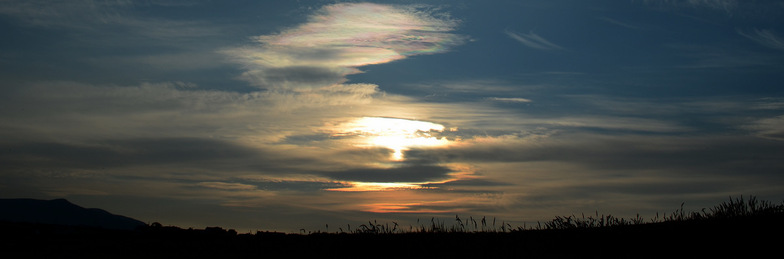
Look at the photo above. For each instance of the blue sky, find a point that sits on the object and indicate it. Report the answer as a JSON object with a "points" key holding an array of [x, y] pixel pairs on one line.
{"points": [[282, 115]]}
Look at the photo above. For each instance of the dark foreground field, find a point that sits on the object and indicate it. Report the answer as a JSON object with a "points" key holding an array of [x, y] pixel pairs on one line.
{"points": [[723, 232]]}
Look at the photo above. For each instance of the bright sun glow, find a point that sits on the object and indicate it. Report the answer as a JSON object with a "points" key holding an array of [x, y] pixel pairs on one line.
{"points": [[396, 134]]}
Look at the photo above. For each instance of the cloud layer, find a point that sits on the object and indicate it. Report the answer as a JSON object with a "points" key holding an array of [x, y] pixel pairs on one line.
{"points": [[646, 110]]}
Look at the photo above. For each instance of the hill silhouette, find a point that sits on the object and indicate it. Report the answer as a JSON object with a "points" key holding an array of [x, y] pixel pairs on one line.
{"points": [[738, 228], [62, 212]]}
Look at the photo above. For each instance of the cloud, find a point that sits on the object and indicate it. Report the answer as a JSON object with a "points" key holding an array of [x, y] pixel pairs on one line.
{"points": [[293, 183], [413, 173], [508, 99], [616, 156], [338, 39], [766, 38], [532, 40], [619, 23], [725, 5], [748, 10], [769, 104], [226, 186], [161, 159], [189, 142], [468, 183], [73, 14], [771, 128], [711, 57], [240, 150], [114, 41], [86, 16], [159, 131], [80, 112]]}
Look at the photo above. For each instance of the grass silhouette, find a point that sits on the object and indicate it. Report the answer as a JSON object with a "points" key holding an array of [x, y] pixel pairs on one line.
{"points": [[734, 209], [737, 227]]}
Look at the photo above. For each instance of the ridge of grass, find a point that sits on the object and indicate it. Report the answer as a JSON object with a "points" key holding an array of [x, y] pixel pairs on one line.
{"points": [[746, 228], [733, 209]]}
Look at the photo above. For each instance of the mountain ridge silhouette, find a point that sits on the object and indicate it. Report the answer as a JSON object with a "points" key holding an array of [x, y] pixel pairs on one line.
{"points": [[62, 212]]}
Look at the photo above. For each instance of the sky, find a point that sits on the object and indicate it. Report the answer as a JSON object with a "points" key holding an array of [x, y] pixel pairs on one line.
{"points": [[289, 115]]}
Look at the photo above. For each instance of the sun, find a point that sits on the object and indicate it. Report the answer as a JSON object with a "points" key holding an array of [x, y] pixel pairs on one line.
{"points": [[396, 134]]}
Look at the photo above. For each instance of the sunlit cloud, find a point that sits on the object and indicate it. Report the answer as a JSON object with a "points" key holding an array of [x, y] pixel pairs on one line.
{"points": [[416, 177], [396, 134], [338, 39], [417, 207], [376, 186]]}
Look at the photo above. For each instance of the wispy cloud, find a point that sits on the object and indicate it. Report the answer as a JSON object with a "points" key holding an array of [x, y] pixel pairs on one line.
{"points": [[89, 15], [725, 5], [227, 186], [705, 56], [771, 128], [532, 40], [85, 26], [769, 104], [763, 10], [619, 23], [72, 14], [767, 38], [509, 99]]}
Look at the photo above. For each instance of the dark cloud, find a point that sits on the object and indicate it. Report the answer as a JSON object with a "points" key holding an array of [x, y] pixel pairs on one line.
{"points": [[125, 152], [411, 173], [468, 183], [300, 186], [680, 187], [306, 139], [635, 152]]}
